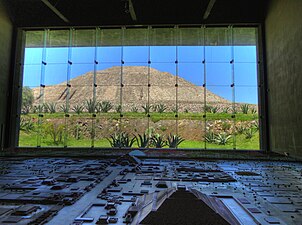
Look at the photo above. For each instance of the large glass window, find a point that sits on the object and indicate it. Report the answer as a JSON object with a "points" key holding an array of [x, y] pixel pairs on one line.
{"points": [[187, 88]]}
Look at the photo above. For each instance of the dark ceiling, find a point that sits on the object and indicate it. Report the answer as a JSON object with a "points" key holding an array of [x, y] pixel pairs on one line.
{"points": [[34, 13]]}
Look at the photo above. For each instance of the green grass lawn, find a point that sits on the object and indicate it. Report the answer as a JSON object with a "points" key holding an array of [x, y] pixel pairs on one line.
{"points": [[155, 116], [30, 140]]}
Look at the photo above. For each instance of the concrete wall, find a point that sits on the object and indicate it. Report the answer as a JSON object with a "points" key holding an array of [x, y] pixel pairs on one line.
{"points": [[6, 30], [283, 31]]}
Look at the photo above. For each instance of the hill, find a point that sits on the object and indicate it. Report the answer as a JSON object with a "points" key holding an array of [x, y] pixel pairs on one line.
{"points": [[135, 91]]}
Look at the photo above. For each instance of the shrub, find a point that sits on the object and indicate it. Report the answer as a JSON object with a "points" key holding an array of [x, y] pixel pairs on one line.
{"points": [[90, 105], [143, 140], [51, 107], [134, 109], [27, 100], [249, 133], [253, 111], [56, 131], [121, 140], [158, 141], [244, 108], [150, 131], [118, 108], [45, 108], [26, 124], [77, 131], [225, 109], [78, 109], [186, 110], [207, 108], [240, 129], [147, 108], [104, 107], [214, 109], [64, 108], [25, 109], [38, 109], [174, 140], [255, 125], [160, 108], [226, 126], [222, 139], [210, 137]]}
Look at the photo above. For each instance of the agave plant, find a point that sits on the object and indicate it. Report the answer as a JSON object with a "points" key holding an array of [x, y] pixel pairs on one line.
{"points": [[51, 107], [78, 109], [64, 108], [158, 141], [90, 105], [244, 108], [120, 140], [26, 124], [240, 129], [118, 108], [249, 133], [104, 106], [45, 108], [147, 108], [160, 108], [225, 110], [26, 109], [253, 111], [134, 109], [38, 108], [255, 125], [214, 109], [210, 137], [174, 140], [143, 140], [222, 139]]}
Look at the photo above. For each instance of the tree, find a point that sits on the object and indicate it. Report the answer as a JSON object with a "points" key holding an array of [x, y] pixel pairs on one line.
{"points": [[27, 99]]}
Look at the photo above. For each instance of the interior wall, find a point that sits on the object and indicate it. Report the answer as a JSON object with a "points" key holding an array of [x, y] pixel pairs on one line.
{"points": [[6, 31], [284, 73]]}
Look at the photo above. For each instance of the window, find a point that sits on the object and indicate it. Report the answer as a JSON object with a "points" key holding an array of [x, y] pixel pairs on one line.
{"points": [[149, 87]]}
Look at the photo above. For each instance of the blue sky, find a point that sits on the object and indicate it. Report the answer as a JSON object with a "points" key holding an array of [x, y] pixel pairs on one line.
{"points": [[218, 68]]}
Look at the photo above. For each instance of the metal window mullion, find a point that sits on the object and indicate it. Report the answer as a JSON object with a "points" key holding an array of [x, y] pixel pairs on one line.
{"points": [[42, 86], [149, 68], [176, 41], [231, 34], [204, 85]]}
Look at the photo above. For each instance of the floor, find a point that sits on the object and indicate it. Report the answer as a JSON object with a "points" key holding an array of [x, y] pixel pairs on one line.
{"points": [[62, 191]]}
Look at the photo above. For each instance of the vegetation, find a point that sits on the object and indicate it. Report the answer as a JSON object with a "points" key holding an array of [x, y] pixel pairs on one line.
{"points": [[55, 130], [104, 107], [143, 140], [222, 138], [244, 108], [174, 140], [158, 141], [118, 109], [27, 100], [50, 107], [90, 105], [214, 109], [78, 109], [120, 140], [147, 108], [52, 130], [26, 124], [210, 137], [64, 108], [160, 108]]}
